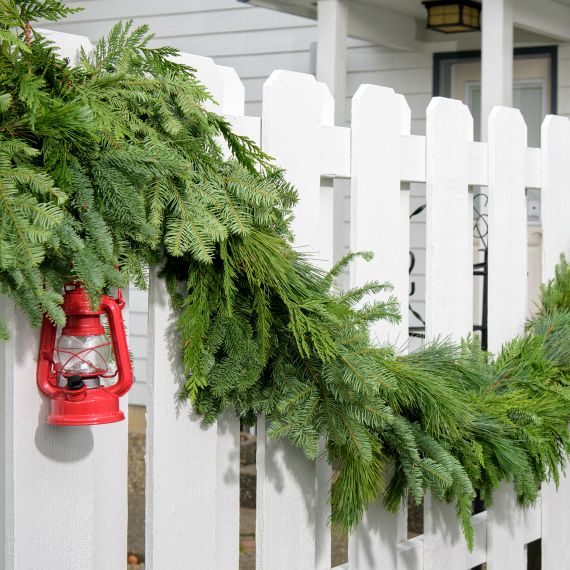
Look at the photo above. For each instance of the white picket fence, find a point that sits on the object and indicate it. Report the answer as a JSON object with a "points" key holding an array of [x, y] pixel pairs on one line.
{"points": [[64, 493]]}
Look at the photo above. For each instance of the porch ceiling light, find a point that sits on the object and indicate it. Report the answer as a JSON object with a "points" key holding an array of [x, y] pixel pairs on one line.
{"points": [[452, 16]]}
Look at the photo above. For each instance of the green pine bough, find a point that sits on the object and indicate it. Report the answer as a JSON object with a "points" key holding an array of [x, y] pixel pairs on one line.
{"points": [[114, 165]]}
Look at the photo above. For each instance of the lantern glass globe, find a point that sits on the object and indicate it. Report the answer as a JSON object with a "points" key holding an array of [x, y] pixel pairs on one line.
{"points": [[85, 356]]}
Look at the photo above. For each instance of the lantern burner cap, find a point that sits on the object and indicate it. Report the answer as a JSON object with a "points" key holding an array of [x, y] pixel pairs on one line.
{"points": [[75, 383]]}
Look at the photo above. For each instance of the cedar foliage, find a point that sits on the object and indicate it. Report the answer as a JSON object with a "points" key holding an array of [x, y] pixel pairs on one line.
{"points": [[115, 163]]}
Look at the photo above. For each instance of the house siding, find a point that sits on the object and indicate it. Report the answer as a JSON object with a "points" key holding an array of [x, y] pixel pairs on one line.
{"points": [[564, 79]]}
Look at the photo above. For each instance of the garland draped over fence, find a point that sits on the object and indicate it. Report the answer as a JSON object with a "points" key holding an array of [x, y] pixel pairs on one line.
{"points": [[115, 163]]}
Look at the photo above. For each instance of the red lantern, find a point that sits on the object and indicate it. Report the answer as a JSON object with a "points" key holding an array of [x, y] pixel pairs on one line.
{"points": [[72, 372]]}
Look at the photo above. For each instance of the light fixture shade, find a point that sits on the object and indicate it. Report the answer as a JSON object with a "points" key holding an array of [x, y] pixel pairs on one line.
{"points": [[453, 16]]}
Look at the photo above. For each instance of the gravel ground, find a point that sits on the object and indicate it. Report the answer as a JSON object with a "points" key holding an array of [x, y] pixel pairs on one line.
{"points": [[339, 550], [247, 500]]}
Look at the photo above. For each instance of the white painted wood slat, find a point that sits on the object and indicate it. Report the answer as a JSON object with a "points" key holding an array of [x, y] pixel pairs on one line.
{"points": [[287, 482], [207, 510], [53, 475], [555, 136], [507, 226], [507, 299], [449, 288], [181, 454], [449, 283], [379, 223], [64, 488]]}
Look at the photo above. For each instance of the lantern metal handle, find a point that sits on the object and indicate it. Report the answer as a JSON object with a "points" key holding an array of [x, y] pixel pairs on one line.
{"points": [[112, 309], [45, 377]]}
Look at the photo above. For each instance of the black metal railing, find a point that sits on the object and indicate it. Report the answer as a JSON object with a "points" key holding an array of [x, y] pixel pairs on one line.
{"points": [[480, 269]]}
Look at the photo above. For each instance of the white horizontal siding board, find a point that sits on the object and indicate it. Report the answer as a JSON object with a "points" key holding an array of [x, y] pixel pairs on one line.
{"points": [[413, 81], [286, 480], [555, 136], [262, 64], [180, 523], [449, 283], [507, 226], [97, 10], [179, 22], [246, 43], [376, 225]]}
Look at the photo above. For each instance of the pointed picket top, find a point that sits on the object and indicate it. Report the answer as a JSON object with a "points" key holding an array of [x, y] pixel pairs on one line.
{"points": [[67, 45], [507, 242], [377, 126], [291, 133], [555, 136], [449, 241], [233, 99], [209, 74]]}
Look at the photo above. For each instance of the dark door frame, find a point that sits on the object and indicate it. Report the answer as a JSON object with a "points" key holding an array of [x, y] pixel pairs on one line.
{"points": [[440, 60]]}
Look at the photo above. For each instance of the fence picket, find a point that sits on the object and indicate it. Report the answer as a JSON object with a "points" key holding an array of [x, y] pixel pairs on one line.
{"points": [[379, 223], [449, 287], [212, 484], [555, 136], [507, 299], [286, 479], [449, 283], [507, 227], [64, 489], [181, 454]]}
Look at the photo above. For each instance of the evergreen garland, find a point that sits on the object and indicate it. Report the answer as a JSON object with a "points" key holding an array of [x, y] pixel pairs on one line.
{"points": [[115, 163]]}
